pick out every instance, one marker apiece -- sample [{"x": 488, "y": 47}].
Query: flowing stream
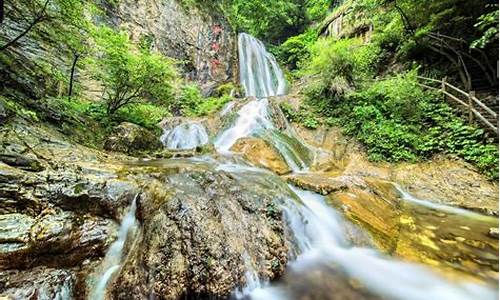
[{"x": 114, "y": 256}]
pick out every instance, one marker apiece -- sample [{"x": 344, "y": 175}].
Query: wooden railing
[{"x": 469, "y": 102}]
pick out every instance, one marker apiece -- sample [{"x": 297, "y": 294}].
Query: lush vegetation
[
  {"x": 371, "y": 90},
  {"x": 138, "y": 84},
  {"x": 271, "y": 21}
]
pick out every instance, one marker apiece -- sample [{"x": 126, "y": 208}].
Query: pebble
[{"x": 493, "y": 233}]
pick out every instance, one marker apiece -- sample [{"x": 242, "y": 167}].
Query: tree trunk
[
  {"x": 72, "y": 76},
  {"x": 38, "y": 19}
]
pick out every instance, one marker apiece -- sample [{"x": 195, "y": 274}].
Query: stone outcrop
[
  {"x": 203, "y": 39},
  {"x": 131, "y": 138},
  {"x": 261, "y": 154},
  {"x": 200, "y": 228}
]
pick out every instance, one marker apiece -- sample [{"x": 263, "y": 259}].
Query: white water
[
  {"x": 113, "y": 258},
  {"x": 261, "y": 77},
  {"x": 260, "y": 74},
  {"x": 185, "y": 136},
  {"x": 252, "y": 118},
  {"x": 320, "y": 239}
]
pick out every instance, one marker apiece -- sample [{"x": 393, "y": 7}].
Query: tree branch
[{"x": 41, "y": 17}]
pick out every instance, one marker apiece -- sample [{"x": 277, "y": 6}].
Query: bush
[
  {"x": 294, "y": 51},
  {"x": 398, "y": 121}
]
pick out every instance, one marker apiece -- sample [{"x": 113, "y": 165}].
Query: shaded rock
[
  {"x": 131, "y": 138},
  {"x": 24, "y": 162},
  {"x": 260, "y": 153}
]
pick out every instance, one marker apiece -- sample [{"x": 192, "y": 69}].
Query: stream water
[{"x": 330, "y": 258}]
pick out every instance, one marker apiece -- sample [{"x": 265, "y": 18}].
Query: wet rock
[
  {"x": 131, "y": 138},
  {"x": 200, "y": 228},
  {"x": 493, "y": 232},
  {"x": 417, "y": 233},
  {"x": 37, "y": 284},
  {"x": 52, "y": 239},
  {"x": 440, "y": 180},
  {"x": 261, "y": 154},
  {"x": 321, "y": 184}
]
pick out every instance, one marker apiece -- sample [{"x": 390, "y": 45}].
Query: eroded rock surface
[
  {"x": 131, "y": 138},
  {"x": 260, "y": 153},
  {"x": 201, "y": 229}
]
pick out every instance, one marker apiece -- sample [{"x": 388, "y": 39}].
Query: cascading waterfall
[
  {"x": 113, "y": 258},
  {"x": 262, "y": 78},
  {"x": 185, "y": 136},
  {"x": 260, "y": 74}
]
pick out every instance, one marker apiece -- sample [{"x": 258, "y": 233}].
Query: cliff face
[{"x": 202, "y": 42}]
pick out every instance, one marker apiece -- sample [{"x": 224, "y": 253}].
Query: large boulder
[
  {"x": 131, "y": 138},
  {"x": 260, "y": 153},
  {"x": 202, "y": 230}
]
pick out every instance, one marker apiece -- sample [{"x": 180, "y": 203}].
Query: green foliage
[
  {"x": 130, "y": 76},
  {"x": 488, "y": 23},
  {"x": 13, "y": 107},
  {"x": 317, "y": 9},
  {"x": 398, "y": 121},
  {"x": 144, "y": 114},
  {"x": 303, "y": 116},
  {"x": 269, "y": 20},
  {"x": 190, "y": 102},
  {"x": 295, "y": 50}
]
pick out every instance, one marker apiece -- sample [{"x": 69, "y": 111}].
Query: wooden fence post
[
  {"x": 443, "y": 84},
  {"x": 472, "y": 94}
]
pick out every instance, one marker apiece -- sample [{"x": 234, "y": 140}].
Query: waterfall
[
  {"x": 185, "y": 136},
  {"x": 260, "y": 74},
  {"x": 113, "y": 258},
  {"x": 261, "y": 77}
]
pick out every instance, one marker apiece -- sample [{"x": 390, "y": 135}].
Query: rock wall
[
  {"x": 202, "y": 41},
  {"x": 205, "y": 43}
]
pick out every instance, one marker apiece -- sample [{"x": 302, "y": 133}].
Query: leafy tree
[{"x": 130, "y": 75}]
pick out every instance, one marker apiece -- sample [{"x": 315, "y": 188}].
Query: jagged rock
[
  {"x": 130, "y": 138},
  {"x": 260, "y": 153},
  {"x": 198, "y": 228},
  {"x": 55, "y": 239},
  {"x": 40, "y": 283},
  {"x": 201, "y": 38}
]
